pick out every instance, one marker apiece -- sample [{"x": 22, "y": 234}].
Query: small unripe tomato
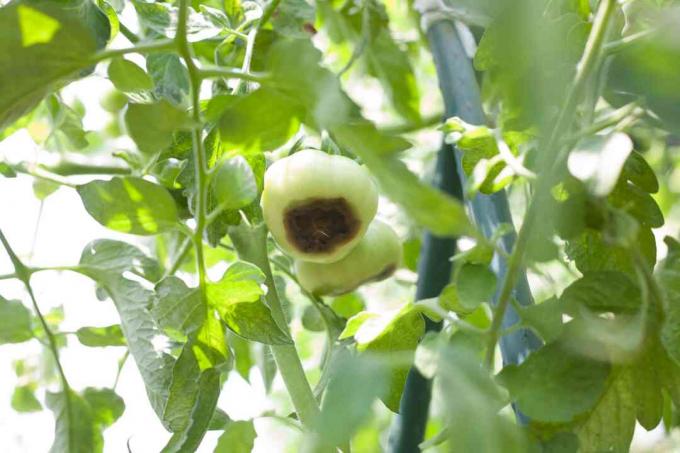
[
  {"x": 375, "y": 258},
  {"x": 318, "y": 206}
]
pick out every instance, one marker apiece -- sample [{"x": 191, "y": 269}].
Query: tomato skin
[
  {"x": 318, "y": 206},
  {"x": 375, "y": 258}
]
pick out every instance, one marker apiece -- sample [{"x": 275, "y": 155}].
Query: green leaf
[
  {"x": 177, "y": 308},
  {"x": 132, "y": 301},
  {"x": 44, "y": 45},
  {"x": 293, "y": 18},
  {"x": 638, "y": 171},
  {"x": 475, "y": 284},
  {"x": 355, "y": 322},
  {"x": 67, "y": 126},
  {"x": 183, "y": 391},
  {"x": 170, "y": 77},
  {"x": 43, "y": 188},
  {"x": 260, "y": 121},
  {"x": 106, "y": 405},
  {"x": 101, "y": 336},
  {"x": 598, "y": 161},
  {"x": 601, "y": 292},
  {"x": 649, "y": 68},
  {"x": 610, "y": 424},
  {"x": 128, "y": 77},
  {"x": 130, "y": 205},
  {"x": 347, "y": 305},
  {"x": 199, "y": 421},
  {"x": 210, "y": 346},
  {"x": 106, "y": 259},
  {"x": 637, "y": 203},
  {"x": 472, "y": 400},
  {"x": 646, "y": 383},
  {"x": 354, "y": 385},
  {"x": 234, "y": 184},
  {"x": 590, "y": 252},
  {"x": 392, "y": 67},
  {"x": 151, "y": 125},
  {"x": 243, "y": 357},
  {"x": 555, "y": 385},
  {"x": 237, "y": 297},
  {"x": 75, "y": 430},
  {"x": 238, "y": 437},
  {"x": 24, "y": 400},
  {"x": 15, "y": 322},
  {"x": 396, "y": 335},
  {"x": 544, "y": 318}
]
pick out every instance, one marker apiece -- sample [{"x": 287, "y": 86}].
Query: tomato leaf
[{"x": 130, "y": 205}]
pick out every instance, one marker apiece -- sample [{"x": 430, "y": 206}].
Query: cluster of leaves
[{"x": 193, "y": 178}]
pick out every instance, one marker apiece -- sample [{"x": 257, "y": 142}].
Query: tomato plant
[{"x": 324, "y": 225}]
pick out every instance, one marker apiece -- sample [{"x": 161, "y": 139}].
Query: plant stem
[
  {"x": 8, "y": 276},
  {"x": 129, "y": 34},
  {"x": 424, "y": 123},
  {"x": 619, "y": 45},
  {"x": 585, "y": 67},
  {"x": 24, "y": 275},
  {"x": 179, "y": 257},
  {"x": 201, "y": 171},
  {"x": 154, "y": 46},
  {"x": 31, "y": 170},
  {"x": 267, "y": 13},
  {"x": 66, "y": 168},
  {"x": 251, "y": 245},
  {"x": 227, "y": 73}
]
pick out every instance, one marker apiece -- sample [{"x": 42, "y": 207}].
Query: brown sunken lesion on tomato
[{"x": 319, "y": 225}]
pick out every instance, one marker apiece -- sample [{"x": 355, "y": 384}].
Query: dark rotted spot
[{"x": 320, "y": 225}]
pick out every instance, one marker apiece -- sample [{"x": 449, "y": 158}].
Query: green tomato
[
  {"x": 375, "y": 258},
  {"x": 318, "y": 206}
]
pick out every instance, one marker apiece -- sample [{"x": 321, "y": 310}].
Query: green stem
[
  {"x": 614, "y": 118},
  {"x": 424, "y": 123},
  {"x": 8, "y": 276},
  {"x": 201, "y": 172},
  {"x": 31, "y": 170},
  {"x": 228, "y": 73},
  {"x": 66, "y": 168},
  {"x": 154, "y": 46},
  {"x": 24, "y": 275},
  {"x": 179, "y": 257},
  {"x": 585, "y": 67},
  {"x": 619, "y": 45},
  {"x": 267, "y": 13},
  {"x": 251, "y": 245},
  {"x": 129, "y": 34}
]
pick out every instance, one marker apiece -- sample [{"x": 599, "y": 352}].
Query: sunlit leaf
[
  {"x": 130, "y": 205},
  {"x": 44, "y": 44}
]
